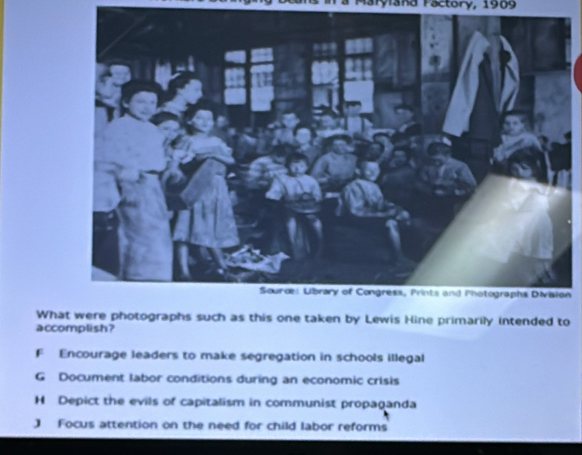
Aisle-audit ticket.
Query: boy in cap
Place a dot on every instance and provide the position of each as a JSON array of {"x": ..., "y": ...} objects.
[{"x": 357, "y": 126}]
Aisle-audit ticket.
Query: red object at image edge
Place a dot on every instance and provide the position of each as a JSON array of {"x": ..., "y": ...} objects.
[{"x": 578, "y": 73}]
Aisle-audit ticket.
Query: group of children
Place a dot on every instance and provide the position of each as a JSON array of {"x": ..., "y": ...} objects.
[{"x": 161, "y": 169}]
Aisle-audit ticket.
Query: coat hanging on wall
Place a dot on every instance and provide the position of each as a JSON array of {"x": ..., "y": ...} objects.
[{"x": 473, "y": 74}]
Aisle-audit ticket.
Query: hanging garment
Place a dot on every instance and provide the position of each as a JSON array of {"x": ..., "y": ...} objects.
[
  {"x": 484, "y": 122},
  {"x": 467, "y": 88},
  {"x": 510, "y": 86},
  {"x": 463, "y": 98},
  {"x": 484, "y": 132}
]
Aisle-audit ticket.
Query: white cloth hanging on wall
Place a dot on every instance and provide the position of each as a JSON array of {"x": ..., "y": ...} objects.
[
  {"x": 463, "y": 98},
  {"x": 465, "y": 92}
]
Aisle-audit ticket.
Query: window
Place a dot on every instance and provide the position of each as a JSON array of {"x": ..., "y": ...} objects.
[
  {"x": 325, "y": 76},
  {"x": 262, "y": 90},
  {"x": 164, "y": 70},
  {"x": 256, "y": 65},
  {"x": 352, "y": 71},
  {"x": 235, "y": 92},
  {"x": 359, "y": 78},
  {"x": 236, "y": 57},
  {"x": 261, "y": 55}
]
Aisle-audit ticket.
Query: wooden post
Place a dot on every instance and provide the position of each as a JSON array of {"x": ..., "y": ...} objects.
[
  {"x": 289, "y": 80},
  {"x": 436, "y": 70}
]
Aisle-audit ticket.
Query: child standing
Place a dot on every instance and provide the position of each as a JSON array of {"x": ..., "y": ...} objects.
[
  {"x": 399, "y": 178},
  {"x": 328, "y": 126},
  {"x": 135, "y": 148},
  {"x": 357, "y": 126},
  {"x": 363, "y": 204},
  {"x": 333, "y": 171},
  {"x": 286, "y": 135},
  {"x": 301, "y": 195},
  {"x": 304, "y": 136},
  {"x": 209, "y": 220},
  {"x": 169, "y": 125},
  {"x": 520, "y": 239}
]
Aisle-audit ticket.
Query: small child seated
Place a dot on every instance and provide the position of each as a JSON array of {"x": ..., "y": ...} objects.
[
  {"x": 363, "y": 202},
  {"x": 302, "y": 196},
  {"x": 514, "y": 137},
  {"x": 337, "y": 167},
  {"x": 264, "y": 169},
  {"x": 399, "y": 178},
  {"x": 444, "y": 175}
]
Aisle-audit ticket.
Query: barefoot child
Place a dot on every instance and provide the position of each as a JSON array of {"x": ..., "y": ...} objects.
[
  {"x": 209, "y": 220},
  {"x": 363, "y": 203},
  {"x": 301, "y": 195}
]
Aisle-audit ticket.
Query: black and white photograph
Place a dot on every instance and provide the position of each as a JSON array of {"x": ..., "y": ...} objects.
[{"x": 240, "y": 146}]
